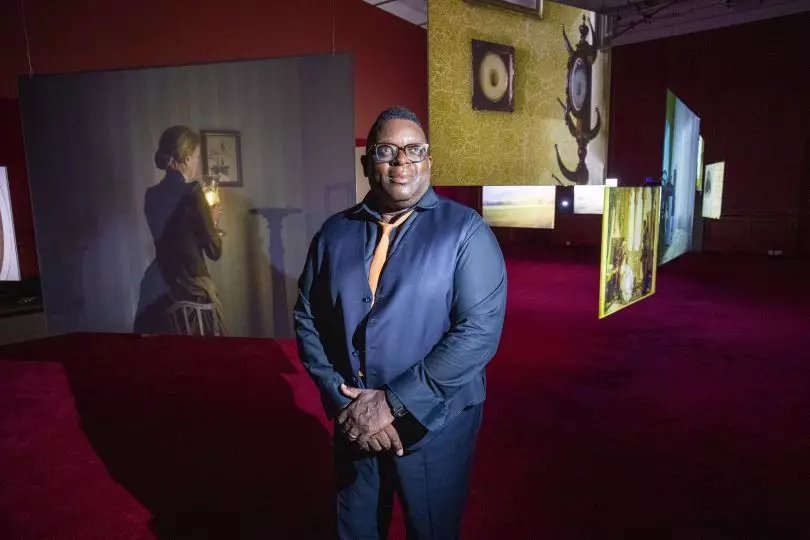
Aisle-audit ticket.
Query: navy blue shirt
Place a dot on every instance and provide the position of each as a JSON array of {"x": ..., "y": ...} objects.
[{"x": 436, "y": 320}]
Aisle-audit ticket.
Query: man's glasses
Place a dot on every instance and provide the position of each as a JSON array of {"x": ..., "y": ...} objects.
[{"x": 386, "y": 153}]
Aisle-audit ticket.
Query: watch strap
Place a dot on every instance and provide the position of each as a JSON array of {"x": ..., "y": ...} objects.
[{"x": 398, "y": 408}]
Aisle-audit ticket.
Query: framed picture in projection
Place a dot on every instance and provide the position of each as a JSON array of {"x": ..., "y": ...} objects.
[
  {"x": 630, "y": 226},
  {"x": 493, "y": 76},
  {"x": 526, "y": 7},
  {"x": 222, "y": 156}
]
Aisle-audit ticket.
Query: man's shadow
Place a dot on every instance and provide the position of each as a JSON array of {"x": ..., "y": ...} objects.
[{"x": 204, "y": 433}]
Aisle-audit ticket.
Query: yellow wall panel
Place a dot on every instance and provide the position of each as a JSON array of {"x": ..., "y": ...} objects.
[{"x": 499, "y": 148}]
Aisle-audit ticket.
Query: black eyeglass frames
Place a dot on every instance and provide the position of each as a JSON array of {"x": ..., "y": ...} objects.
[{"x": 387, "y": 152}]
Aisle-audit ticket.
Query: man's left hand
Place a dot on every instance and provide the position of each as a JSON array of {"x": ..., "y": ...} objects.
[
  {"x": 387, "y": 439},
  {"x": 366, "y": 415}
]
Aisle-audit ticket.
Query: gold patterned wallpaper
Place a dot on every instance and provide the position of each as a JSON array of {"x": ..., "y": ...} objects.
[{"x": 499, "y": 148}]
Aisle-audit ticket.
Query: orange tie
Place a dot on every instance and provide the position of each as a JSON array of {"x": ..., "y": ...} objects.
[{"x": 381, "y": 253}]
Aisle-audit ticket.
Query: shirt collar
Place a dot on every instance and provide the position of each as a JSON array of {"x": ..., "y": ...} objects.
[
  {"x": 173, "y": 175},
  {"x": 428, "y": 201}
]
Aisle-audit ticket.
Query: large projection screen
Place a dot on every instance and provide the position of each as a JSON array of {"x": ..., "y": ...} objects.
[
  {"x": 629, "y": 242},
  {"x": 699, "y": 182},
  {"x": 589, "y": 199},
  {"x": 681, "y": 140},
  {"x": 91, "y": 140},
  {"x": 9, "y": 259},
  {"x": 529, "y": 207},
  {"x": 713, "y": 190}
]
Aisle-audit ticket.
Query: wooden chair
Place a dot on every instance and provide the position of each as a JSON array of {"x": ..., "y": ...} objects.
[{"x": 189, "y": 319}]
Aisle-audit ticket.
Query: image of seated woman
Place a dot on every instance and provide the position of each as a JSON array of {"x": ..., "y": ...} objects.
[{"x": 184, "y": 230}]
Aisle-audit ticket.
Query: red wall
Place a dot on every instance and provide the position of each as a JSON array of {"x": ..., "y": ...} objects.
[
  {"x": 390, "y": 55},
  {"x": 750, "y": 86}
]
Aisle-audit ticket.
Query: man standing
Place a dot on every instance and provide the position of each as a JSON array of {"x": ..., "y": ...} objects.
[{"x": 400, "y": 307}]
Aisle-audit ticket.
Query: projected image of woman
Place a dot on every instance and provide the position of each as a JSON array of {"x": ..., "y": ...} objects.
[{"x": 184, "y": 229}]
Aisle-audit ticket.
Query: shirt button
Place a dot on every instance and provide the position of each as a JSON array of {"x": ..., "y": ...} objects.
[
  {"x": 366, "y": 299},
  {"x": 361, "y": 373},
  {"x": 355, "y": 354}
]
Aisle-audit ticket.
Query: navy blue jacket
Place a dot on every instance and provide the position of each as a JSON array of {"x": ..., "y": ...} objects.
[{"x": 436, "y": 320}]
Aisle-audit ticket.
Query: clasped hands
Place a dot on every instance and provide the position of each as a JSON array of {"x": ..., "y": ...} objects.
[{"x": 368, "y": 421}]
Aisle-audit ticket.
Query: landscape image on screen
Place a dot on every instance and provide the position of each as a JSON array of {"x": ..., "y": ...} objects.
[
  {"x": 713, "y": 190},
  {"x": 628, "y": 266},
  {"x": 678, "y": 177},
  {"x": 589, "y": 199},
  {"x": 9, "y": 259},
  {"x": 519, "y": 206}
]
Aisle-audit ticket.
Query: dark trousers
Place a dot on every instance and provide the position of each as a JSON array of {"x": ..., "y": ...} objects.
[{"x": 431, "y": 483}]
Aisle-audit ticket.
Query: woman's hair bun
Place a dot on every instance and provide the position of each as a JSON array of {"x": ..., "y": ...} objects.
[{"x": 162, "y": 160}]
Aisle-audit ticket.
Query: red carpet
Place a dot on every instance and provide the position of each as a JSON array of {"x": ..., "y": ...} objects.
[{"x": 686, "y": 416}]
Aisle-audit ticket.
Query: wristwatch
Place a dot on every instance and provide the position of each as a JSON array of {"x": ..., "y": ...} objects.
[{"x": 397, "y": 407}]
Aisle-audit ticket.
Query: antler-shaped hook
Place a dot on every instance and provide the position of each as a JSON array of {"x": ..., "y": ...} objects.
[{"x": 567, "y": 42}]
